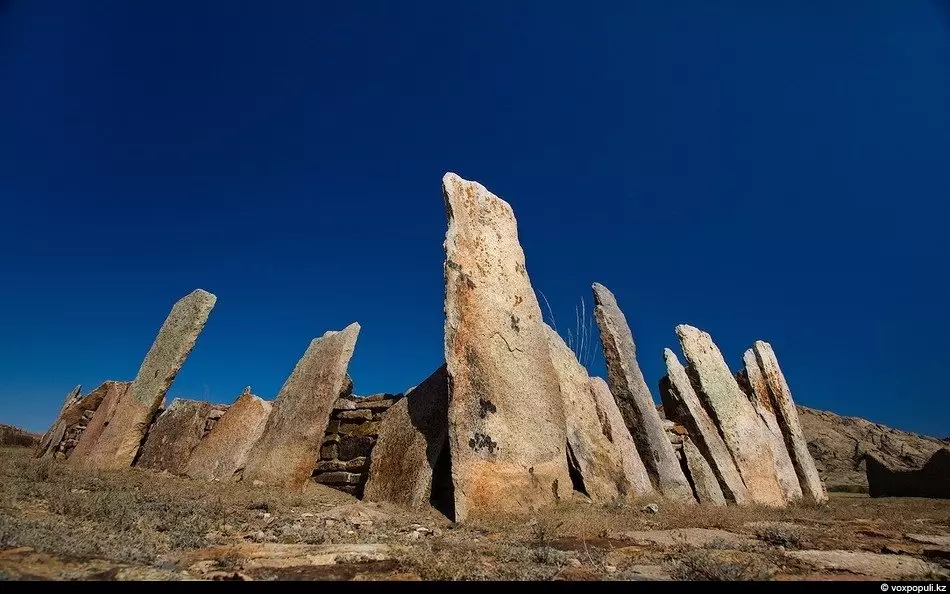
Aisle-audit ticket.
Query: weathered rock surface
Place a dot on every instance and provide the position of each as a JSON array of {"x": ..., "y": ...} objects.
[
  {"x": 598, "y": 461},
  {"x": 839, "y": 445},
  {"x": 682, "y": 405},
  {"x": 119, "y": 442},
  {"x": 412, "y": 437},
  {"x": 224, "y": 451},
  {"x": 741, "y": 429},
  {"x": 704, "y": 480},
  {"x": 787, "y": 416},
  {"x": 616, "y": 431},
  {"x": 289, "y": 447},
  {"x": 752, "y": 382},
  {"x": 931, "y": 480},
  {"x": 506, "y": 417},
  {"x": 115, "y": 392},
  {"x": 14, "y": 436},
  {"x": 54, "y": 435},
  {"x": 173, "y": 436},
  {"x": 634, "y": 398},
  {"x": 870, "y": 564}
]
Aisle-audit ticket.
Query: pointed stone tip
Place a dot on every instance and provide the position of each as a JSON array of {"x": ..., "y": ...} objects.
[
  {"x": 669, "y": 356},
  {"x": 450, "y": 177},
  {"x": 686, "y": 330},
  {"x": 602, "y": 294}
]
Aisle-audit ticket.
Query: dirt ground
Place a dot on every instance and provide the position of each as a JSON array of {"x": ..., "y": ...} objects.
[{"x": 60, "y": 523}]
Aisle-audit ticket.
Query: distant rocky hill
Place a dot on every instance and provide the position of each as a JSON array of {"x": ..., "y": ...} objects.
[
  {"x": 14, "y": 436},
  {"x": 838, "y": 445}
]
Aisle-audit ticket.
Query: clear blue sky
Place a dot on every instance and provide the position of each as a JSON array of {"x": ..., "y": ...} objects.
[{"x": 761, "y": 170}]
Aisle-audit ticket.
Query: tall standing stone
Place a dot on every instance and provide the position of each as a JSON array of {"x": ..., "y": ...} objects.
[
  {"x": 506, "y": 417},
  {"x": 634, "y": 398},
  {"x": 114, "y": 393},
  {"x": 289, "y": 448},
  {"x": 598, "y": 460},
  {"x": 224, "y": 451},
  {"x": 616, "y": 431},
  {"x": 741, "y": 430},
  {"x": 751, "y": 380},
  {"x": 173, "y": 436},
  {"x": 683, "y": 406},
  {"x": 57, "y": 430},
  {"x": 704, "y": 479},
  {"x": 412, "y": 437},
  {"x": 787, "y": 415},
  {"x": 120, "y": 440}
]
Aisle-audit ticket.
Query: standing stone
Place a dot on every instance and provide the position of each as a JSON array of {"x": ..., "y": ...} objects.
[
  {"x": 751, "y": 380},
  {"x": 54, "y": 435},
  {"x": 598, "y": 461},
  {"x": 506, "y": 418},
  {"x": 634, "y": 398},
  {"x": 174, "y": 435},
  {"x": 119, "y": 442},
  {"x": 224, "y": 451},
  {"x": 741, "y": 430},
  {"x": 289, "y": 448},
  {"x": 114, "y": 393},
  {"x": 787, "y": 415},
  {"x": 412, "y": 437},
  {"x": 682, "y": 406},
  {"x": 616, "y": 431},
  {"x": 704, "y": 479}
]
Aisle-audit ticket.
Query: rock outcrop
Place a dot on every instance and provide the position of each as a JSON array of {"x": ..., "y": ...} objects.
[
  {"x": 616, "y": 431},
  {"x": 682, "y": 405},
  {"x": 787, "y": 416},
  {"x": 742, "y": 431},
  {"x": 289, "y": 447},
  {"x": 931, "y": 480},
  {"x": 52, "y": 438},
  {"x": 506, "y": 418},
  {"x": 701, "y": 474},
  {"x": 598, "y": 461},
  {"x": 174, "y": 435},
  {"x": 634, "y": 399},
  {"x": 113, "y": 394},
  {"x": 119, "y": 442},
  {"x": 412, "y": 440},
  {"x": 224, "y": 451}
]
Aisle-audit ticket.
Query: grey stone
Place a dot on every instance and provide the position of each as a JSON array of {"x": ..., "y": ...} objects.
[
  {"x": 173, "y": 436},
  {"x": 339, "y": 478},
  {"x": 705, "y": 483},
  {"x": 506, "y": 417},
  {"x": 616, "y": 431}
]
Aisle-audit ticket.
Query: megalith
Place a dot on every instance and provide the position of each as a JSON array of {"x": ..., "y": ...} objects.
[
  {"x": 112, "y": 394},
  {"x": 682, "y": 405},
  {"x": 507, "y": 432},
  {"x": 51, "y": 439},
  {"x": 119, "y": 442},
  {"x": 738, "y": 423},
  {"x": 173, "y": 436},
  {"x": 787, "y": 415},
  {"x": 616, "y": 431},
  {"x": 598, "y": 460},
  {"x": 412, "y": 438},
  {"x": 705, "y": 483},
  {"x": 634, "y": 399},
  {"x": 223, "y": 452},
  {"x": 289, "y": 447}
]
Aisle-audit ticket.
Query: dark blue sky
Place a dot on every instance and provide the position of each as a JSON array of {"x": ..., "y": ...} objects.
[{"x": 757, "y": 169}]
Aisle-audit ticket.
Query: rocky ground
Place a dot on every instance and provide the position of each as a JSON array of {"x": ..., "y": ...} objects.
[{"x": 59, "y": 523}]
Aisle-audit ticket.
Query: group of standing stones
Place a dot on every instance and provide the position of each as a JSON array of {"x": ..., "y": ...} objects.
[{"x": 511, "y": 421}]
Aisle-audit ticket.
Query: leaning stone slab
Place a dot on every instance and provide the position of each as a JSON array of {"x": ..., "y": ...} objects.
[
  {"x": 113, "y": 394},
  {"x": 741, "y": 430},
  {"x": 895, "y": 567},
  {"x": 683, "y": 406},
  {"x": 224, "y": 451},
  {"x": 54, "y": 435},
  {"x": 752, "y": 380},
  {"x": 119, "y": 442},
  {"x": 289, "y": 447},
  {"x": 598, "y": 460},
  {"x": 634, "y": 398},
  {"x": 411, "y": 438},
  {"x": 787, "y": 415},
  {"x": 616, "y": 431},
  {"x": 506, "y": 417},
  {"x": 704, "y": 479},
  {"x": 174, "y": 435}
]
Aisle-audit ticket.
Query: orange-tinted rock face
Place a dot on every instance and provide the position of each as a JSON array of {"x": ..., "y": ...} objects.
[
  {"x": 223, "y": 452},
  {"x": 174, "y": 435},
  {"x": 114, "y": 393}
]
